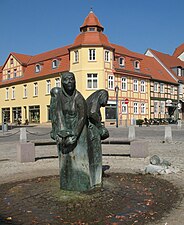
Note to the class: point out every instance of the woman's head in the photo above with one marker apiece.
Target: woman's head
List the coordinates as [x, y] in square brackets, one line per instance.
[68, 82]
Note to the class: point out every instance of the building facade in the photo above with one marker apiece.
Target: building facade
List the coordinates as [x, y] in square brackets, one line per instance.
[139, 86]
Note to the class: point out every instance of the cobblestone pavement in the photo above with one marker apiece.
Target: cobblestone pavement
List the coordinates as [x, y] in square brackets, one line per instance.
[11, 170]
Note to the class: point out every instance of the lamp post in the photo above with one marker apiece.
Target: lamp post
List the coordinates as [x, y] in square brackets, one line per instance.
[116, 90]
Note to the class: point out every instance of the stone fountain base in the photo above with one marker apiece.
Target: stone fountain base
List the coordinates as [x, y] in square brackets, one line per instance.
[123, 199]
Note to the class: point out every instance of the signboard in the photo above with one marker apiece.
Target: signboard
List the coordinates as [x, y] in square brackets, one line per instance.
[126, 101]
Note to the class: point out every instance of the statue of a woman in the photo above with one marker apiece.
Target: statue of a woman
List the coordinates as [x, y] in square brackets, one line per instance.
[96, 133]
[69, 129]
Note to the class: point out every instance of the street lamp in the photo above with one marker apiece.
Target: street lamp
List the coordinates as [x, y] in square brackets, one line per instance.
[116, 90]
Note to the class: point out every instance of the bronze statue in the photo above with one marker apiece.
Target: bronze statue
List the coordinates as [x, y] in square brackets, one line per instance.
[77, 129]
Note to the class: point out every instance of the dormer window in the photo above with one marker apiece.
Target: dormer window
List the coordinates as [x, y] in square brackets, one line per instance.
[121, 61]
[37, 68]
[137, 65]
[179, 72]
[54, 63]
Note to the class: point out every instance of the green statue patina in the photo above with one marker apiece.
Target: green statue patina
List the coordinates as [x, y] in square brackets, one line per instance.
[77, 129]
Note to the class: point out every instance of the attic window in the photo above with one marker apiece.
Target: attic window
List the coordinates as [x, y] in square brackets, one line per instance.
[137, 65]
[11, 61]
[121, 61]
[54, 63]
[179, 72]
[37, 68]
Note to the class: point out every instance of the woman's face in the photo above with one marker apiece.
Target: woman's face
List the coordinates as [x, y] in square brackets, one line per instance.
[68, 82]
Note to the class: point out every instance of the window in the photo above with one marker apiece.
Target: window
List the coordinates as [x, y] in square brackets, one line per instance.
[76, 56]
[15, 73]
[161, 88]
[124, 108]
[172, 89]
[143, 86]
[107, 56]
[137, 65]
[124, 83]
[54, 63]
[110, 82]
[48, 86]
[143, 108]
[155, 107]
[179, 72]
[13, 92]
[25, 91]
[135, 108]
[37, 68]
[7, 94]
[121, 61]
[35, 89]
[91, 29]
[11, 61]
[135, 85]
[155, 87]
[92, 54]
[180, 88]
[162, 107]
[57, 82]
[48, 113]
[8, 74]
[92, 81]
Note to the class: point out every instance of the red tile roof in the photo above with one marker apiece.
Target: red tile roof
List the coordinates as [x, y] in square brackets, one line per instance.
[179, 50]
[91, 21]
[169, 62]
[91, 38]
[62, 54]
[148, 65]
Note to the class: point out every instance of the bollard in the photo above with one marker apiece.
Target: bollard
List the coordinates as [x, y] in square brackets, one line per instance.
[179, 124]
[168, 134]
[131, 133]
[25, 150]
[23, 135]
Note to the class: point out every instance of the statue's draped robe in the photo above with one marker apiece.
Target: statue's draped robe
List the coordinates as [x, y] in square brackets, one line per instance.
[69, 118]
[94, 137]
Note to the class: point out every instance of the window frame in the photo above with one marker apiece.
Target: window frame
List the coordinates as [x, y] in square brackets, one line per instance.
[25, 91]
[54, 64]
[58, 82]
[92, 54]
[120, 63]
[111, 82]
[162, 88]
[155, 87]
[7, 94]
[135, 85]
[37, 68]
[137, 65]
[107, 56]
[135, 106]
[124, 84]
[35, 90]
[143, 86]
[143, 108]
[92, 79]
[124, 106]
[13, 93]
[76, 56]
[48, 87]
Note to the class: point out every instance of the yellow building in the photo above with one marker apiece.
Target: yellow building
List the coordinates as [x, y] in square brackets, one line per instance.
[26, 80]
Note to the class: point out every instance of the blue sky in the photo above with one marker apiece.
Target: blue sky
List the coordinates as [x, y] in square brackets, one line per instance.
[35, 26]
